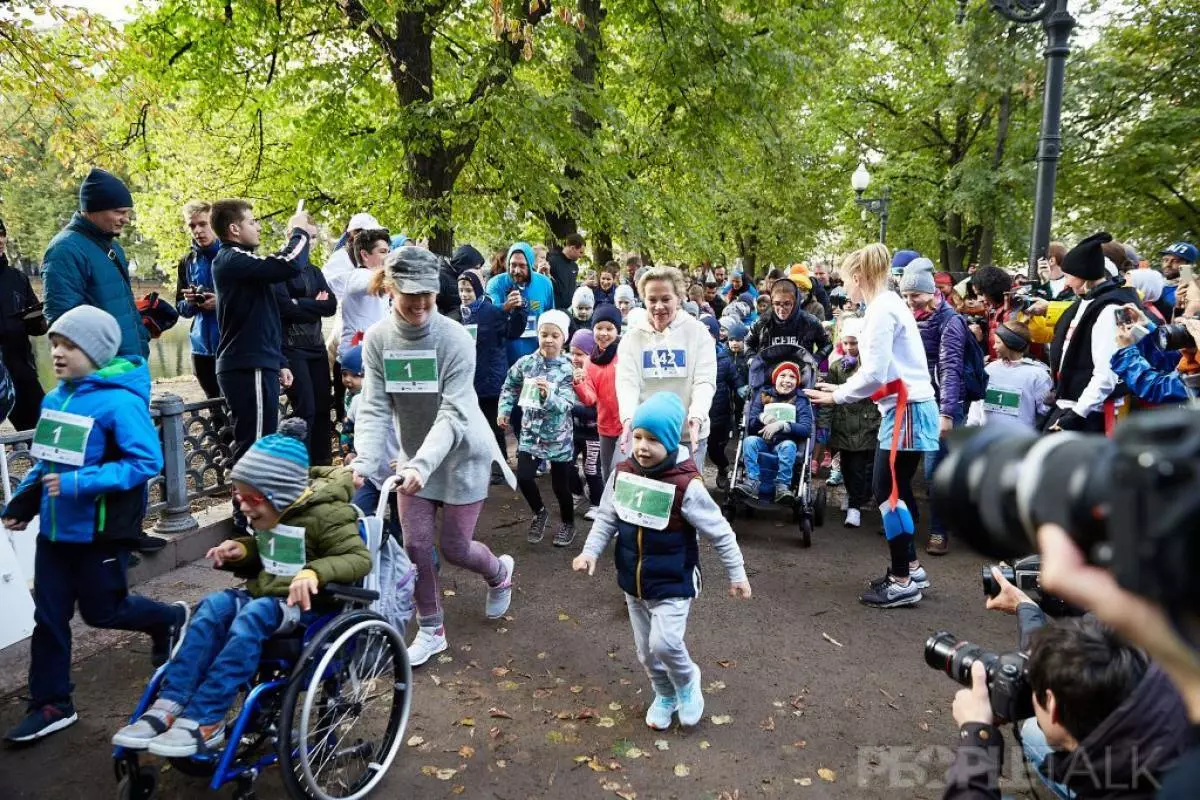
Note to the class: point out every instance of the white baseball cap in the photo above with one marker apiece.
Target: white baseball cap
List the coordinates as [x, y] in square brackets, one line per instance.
[362, 221]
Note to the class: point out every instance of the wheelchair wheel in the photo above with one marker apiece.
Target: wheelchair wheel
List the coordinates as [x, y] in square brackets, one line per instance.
[818, 509]
[138, 783]
[806, 528]
[344, 712]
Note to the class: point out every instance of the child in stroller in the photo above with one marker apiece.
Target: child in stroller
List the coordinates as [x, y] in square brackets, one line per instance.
[779, 421]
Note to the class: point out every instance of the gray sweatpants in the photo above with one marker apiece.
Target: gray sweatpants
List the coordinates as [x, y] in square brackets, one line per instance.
[658, 628]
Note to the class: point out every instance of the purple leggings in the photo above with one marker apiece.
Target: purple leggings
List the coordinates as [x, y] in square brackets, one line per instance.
[417, 518]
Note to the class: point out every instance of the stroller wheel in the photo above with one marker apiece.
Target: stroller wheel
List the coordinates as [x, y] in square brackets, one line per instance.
[818, 507]
[805, 532]
[729, 510]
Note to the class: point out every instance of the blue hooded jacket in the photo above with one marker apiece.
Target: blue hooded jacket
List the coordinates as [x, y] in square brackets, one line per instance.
[195, 269]
[84, 266]
[539, 297]
[105, 498]
[1149, 371]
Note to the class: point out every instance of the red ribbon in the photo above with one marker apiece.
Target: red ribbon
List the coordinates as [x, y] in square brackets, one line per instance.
[897, 388]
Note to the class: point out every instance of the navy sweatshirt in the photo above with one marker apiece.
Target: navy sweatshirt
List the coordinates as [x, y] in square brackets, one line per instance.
[247, 311]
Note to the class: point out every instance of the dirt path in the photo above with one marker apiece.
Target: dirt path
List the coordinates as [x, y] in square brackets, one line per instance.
[799, 715]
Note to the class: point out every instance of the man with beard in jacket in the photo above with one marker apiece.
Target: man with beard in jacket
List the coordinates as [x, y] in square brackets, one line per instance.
[1085, 339]
[944, 335]
[1108, 723]
[16, 297]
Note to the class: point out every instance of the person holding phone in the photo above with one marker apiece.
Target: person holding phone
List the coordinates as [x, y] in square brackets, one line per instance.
[196, 295]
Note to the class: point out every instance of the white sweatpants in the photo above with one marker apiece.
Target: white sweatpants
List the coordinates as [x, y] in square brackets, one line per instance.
[658, 629]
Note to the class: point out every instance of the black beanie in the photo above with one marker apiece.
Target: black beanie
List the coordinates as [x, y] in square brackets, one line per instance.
[1086, 260]
[103, 191]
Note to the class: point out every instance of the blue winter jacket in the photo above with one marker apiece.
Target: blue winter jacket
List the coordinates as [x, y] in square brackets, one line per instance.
[494, 331]
[601, 297]
[1149, 371]
[84, 266]
[105, 499]
[944, 335]
[195, 269]
[729, 380]
[539, 297]
[800, 429]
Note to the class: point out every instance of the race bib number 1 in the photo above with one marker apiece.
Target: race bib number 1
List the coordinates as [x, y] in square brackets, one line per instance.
[1000, 401]
[410, 371]
[281, 549]
[642, 501]
[61, 437]
[663, 362]
[778, 412]
[531, 395]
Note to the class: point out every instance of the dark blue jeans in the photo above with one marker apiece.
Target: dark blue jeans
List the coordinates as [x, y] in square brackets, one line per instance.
[94, 576]
[936, 526]
[220, 652]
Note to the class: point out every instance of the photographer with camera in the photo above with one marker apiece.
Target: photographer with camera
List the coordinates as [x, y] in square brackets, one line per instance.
[1154, 360]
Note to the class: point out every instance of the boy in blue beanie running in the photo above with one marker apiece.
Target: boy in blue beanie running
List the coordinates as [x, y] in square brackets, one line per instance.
[655, 504]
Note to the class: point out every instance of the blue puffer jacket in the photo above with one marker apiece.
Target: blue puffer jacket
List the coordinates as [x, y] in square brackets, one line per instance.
[800, 429]
[660, 565]
[86, 267]
[944, 334]
[106, 497]
[195, 269]
[493, 332]
[1149, 371]
[729, 380]
[601, 297]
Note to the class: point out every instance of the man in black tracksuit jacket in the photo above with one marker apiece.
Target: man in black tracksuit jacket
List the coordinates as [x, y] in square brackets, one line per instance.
[250, 362]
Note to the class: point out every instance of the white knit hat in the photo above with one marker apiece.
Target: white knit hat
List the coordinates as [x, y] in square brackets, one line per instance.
[556, 318]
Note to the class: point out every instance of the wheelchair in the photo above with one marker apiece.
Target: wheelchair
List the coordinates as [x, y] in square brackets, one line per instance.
[329, 703]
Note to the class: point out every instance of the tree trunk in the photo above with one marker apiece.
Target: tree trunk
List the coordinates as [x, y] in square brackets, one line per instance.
[602, 248]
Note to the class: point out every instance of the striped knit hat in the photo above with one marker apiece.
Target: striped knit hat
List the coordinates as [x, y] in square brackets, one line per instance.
[277, 465]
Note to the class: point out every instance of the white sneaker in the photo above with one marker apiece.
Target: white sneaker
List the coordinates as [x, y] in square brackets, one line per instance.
[853, 518]
[429, 642]
[591, 513]
[498, 597]
[691, 700]
[658, 715]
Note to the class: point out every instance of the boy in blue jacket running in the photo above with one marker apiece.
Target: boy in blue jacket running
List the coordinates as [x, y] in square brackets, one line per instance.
[96, 448]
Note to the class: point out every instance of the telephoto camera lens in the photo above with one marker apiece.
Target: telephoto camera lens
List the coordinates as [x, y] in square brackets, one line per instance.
[1174, 337]
[946, 652]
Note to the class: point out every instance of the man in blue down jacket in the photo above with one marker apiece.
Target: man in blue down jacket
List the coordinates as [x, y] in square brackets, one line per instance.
[84, 265]
[944, 334]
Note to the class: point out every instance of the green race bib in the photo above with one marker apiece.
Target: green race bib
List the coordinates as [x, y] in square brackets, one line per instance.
[61, 437]
[410, 371]
[778, 412]
[531, 395]
[642, 501]
[281, 549]
[1002, 401]
[473, 330]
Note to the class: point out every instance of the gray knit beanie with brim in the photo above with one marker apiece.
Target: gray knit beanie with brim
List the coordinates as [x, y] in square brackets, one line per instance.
[93, 330]
[414, 270]
[918, 277]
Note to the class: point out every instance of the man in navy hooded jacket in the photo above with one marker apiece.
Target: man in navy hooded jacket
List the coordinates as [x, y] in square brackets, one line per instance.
[84, 264]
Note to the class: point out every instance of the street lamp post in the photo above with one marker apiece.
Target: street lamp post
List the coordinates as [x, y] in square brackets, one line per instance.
[859, 181]
[1058, 23]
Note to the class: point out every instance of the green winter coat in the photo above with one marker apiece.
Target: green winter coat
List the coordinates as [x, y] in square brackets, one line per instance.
[851, 426]
[334, 550]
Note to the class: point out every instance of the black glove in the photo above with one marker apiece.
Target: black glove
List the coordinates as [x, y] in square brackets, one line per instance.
[1071, 421]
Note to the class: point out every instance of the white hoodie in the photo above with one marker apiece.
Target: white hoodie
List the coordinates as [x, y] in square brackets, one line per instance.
[649, 362]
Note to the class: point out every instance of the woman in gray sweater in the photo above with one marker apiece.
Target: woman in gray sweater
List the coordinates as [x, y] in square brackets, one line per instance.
[420, 372]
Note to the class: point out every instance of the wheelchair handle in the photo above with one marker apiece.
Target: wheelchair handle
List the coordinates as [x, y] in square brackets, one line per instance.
[385, 491]
[344, 592]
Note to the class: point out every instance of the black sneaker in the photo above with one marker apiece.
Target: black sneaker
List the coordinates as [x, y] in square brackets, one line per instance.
[165, 646]
[537, 528]
[918, 576]
[747, 488]
[784, 494]
[564, 535]
[890, 594]
[43, 721]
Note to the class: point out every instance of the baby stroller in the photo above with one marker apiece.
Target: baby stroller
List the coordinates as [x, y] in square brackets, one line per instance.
[808, 507]
[330, 701]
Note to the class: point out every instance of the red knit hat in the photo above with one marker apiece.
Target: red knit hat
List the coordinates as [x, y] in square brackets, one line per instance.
[786, 366]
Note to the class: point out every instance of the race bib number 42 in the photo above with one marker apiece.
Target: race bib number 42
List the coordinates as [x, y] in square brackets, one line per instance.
[61, 437]
[664, 362]
[408, 371]
[642, 501]
[281, 549]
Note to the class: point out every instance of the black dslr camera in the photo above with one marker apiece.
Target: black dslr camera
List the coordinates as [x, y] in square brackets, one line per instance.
[1025, 574]
[1131, 503]
[1007, 673]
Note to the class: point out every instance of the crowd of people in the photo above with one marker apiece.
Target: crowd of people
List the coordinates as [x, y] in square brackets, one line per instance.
[641, 374]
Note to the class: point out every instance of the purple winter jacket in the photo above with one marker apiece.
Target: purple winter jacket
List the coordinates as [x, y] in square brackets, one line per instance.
[944, 334]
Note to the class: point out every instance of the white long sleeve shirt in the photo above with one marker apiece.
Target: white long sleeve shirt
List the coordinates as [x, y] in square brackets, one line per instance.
[890, 347]
[359, 308]
[1103, 344]
[1016, 390]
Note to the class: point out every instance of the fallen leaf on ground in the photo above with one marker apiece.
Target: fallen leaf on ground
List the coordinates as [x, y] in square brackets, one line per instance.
[662, 744]
[614, 706]
[498, 713]
[501, 763]
[538, 694]
[923, 725]
[508, 686]
[610, 786]
[500, 672]
[576, 689]
[467, 722]
[586, 713]
[555, 737]
[627, 795]
[715, 686]
[826, 774]
[436, 680]
[458, 788]
[721, 719]
[605, 722]
[778, 704]
[448, 593]
[727, 663]
[634, 752]
[466, 751]
[416, 741]
[682, 771]
[541, 656]
[705, 745]
[803, 781]
[445, 659]
[624, 681]
[563, 617]
[799, 744]
[768, 724]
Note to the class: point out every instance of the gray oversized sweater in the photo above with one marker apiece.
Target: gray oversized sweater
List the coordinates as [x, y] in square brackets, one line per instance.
[443, 434]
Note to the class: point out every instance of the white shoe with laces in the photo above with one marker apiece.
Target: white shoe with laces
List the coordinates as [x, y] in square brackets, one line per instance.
[429, 642]
[853, 518]
[499, 597]
[658, 715]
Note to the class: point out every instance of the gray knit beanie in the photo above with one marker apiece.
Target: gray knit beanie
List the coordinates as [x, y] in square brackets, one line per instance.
[918, 277]
[277, 465]
[93, 330]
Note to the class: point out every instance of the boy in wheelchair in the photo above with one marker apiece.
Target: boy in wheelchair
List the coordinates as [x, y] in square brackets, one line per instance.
[305, 536]
[779, 417]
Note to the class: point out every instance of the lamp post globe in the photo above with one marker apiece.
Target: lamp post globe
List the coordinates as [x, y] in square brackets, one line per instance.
[861, 179]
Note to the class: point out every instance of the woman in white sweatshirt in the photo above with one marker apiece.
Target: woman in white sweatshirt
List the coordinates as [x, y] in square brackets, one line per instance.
[893, 366]
[667, 351]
